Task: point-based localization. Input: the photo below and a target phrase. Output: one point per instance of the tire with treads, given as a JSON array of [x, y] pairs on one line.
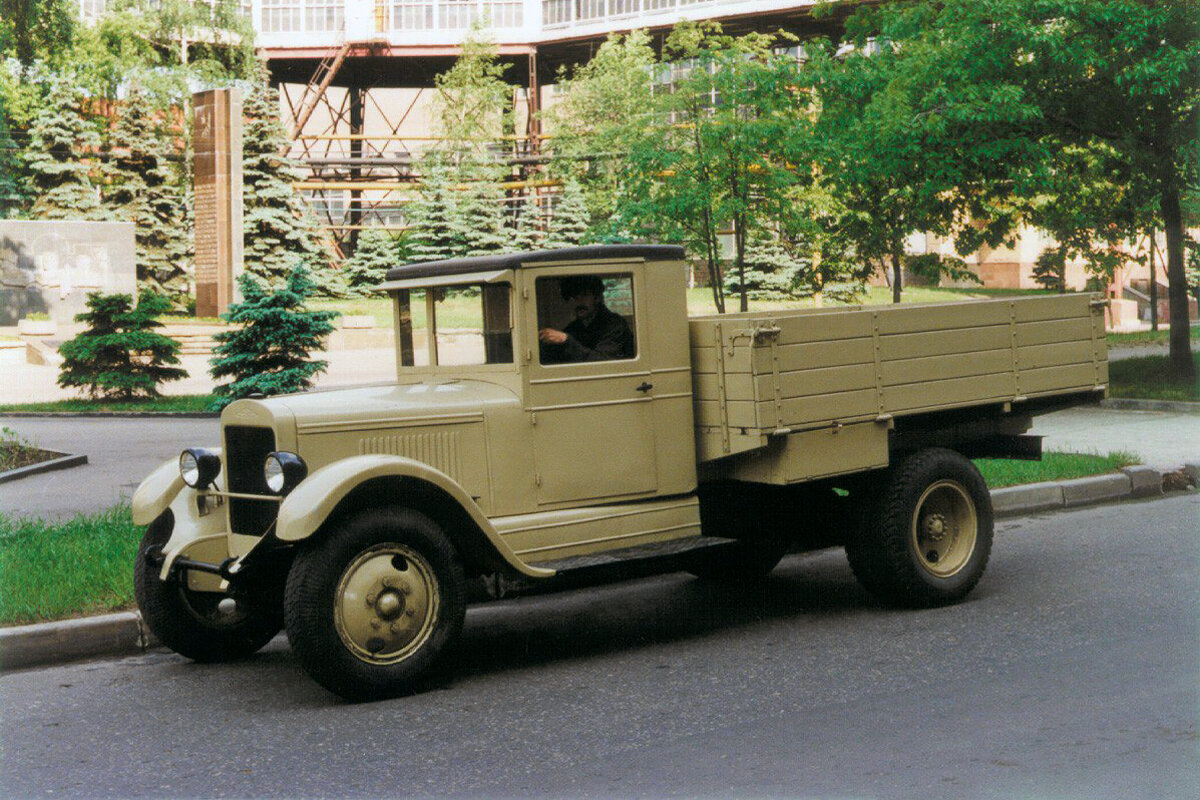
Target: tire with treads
[[192, 623], [925, 538], [371, 608]]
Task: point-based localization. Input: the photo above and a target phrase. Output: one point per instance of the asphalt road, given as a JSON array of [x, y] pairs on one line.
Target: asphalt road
[[1072, 671]]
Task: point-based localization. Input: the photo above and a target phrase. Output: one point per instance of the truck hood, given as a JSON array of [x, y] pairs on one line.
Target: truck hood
[[378, 406]]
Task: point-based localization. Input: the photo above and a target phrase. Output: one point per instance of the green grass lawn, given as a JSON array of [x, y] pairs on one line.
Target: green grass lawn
[[1148, 378], [1054, 466], [180, 403], [1147, 338], [75, 568]]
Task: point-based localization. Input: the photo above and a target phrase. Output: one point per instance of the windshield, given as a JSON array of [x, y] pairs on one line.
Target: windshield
[[469, 325]]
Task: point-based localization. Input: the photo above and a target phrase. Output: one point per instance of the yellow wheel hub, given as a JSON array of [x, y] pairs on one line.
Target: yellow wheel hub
[[944, 528], [386, 604]]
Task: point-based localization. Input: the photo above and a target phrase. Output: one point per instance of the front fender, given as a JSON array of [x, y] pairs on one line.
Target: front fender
[[310, 504], [155, 493]]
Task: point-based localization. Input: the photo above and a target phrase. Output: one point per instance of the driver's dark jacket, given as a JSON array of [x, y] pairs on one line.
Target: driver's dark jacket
[[608, 338]]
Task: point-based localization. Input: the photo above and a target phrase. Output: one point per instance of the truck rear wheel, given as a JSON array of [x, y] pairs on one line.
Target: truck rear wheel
[[371, 608], [201, 626], [926, 537]]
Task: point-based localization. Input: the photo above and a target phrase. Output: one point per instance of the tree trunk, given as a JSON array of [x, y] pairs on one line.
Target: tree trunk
[[1183, 368], [1153, 284], [714, 268], [897, 271], [739, 247]]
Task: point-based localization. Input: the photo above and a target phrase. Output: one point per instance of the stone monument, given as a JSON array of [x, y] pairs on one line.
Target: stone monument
[[217, 139], [50, 266]]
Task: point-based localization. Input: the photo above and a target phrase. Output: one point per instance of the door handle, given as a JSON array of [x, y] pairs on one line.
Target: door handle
[[645, 387]]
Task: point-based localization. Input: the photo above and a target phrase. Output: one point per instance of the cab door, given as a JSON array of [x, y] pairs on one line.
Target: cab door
[[592, 420]]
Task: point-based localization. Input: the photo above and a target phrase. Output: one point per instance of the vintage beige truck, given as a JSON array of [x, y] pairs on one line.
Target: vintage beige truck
[[557, 412]]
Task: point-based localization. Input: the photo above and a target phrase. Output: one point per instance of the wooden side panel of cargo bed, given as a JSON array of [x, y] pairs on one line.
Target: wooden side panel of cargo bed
[[767, 374]]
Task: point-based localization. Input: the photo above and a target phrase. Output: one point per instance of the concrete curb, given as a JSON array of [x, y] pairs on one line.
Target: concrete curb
[[120, 634], [124, 633], [64, 461], [114, 414], [1130, 404]]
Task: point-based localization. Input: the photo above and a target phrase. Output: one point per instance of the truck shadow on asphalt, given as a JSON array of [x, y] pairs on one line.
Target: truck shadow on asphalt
[[610, 618], [528, 631]]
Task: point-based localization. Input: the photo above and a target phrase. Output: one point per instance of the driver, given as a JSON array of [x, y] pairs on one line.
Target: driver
[[596, 334]]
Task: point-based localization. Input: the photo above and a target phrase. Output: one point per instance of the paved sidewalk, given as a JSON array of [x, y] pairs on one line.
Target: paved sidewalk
[[1164, 440], [36, 383]]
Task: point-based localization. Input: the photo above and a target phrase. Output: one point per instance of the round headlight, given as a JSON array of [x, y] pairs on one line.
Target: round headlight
[[199, 467], [282, 471]]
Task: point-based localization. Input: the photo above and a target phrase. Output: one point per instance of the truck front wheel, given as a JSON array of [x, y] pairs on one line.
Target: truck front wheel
[[371, 608], [927, 535], [202, 626]]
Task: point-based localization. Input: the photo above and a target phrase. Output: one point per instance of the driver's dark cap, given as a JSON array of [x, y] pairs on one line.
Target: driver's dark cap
[[575, 285]]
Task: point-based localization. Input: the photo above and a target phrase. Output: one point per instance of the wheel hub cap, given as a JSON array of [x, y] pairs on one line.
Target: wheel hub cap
[[935, 527], [387, 602], [944, 528]]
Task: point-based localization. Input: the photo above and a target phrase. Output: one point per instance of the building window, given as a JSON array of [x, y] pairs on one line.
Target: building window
[[557, 12], [282, 16], [412, 16], [324, 15]]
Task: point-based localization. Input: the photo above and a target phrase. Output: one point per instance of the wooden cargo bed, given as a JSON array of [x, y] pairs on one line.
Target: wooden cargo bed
[[766, 375]]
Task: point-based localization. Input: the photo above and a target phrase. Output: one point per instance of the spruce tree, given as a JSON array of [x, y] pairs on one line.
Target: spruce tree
[[120, 356], [11, 195], [568, 225], [771, 273], [432, 216], [58, 140], [142, 191], [279, 230], [377, 252], [527, 231], [269, 353], [480, 218]]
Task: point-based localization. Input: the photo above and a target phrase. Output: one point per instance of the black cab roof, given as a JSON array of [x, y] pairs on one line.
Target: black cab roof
[[463, 266]]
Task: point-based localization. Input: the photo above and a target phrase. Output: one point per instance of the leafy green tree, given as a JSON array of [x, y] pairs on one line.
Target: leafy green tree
[[994, 92], [723, 148], [167, 45], [141, 190], [270, 351], [278, 229], [460, 206], [605, 105], [60, 179], [569, 223], [32, 30], [472, 100], [376, 253], [120, 355]]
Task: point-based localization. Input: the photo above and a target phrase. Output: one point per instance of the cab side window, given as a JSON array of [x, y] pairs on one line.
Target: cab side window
[[586, 318]]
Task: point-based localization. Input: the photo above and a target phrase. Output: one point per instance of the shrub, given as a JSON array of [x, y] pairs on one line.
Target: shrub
[[120, 356], [269, 353]]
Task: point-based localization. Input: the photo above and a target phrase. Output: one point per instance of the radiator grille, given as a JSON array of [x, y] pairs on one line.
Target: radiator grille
[[439, 449], [246, 449]]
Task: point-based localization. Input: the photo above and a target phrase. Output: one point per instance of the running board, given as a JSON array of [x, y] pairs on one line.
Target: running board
[[655, 550], [629, 562]]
